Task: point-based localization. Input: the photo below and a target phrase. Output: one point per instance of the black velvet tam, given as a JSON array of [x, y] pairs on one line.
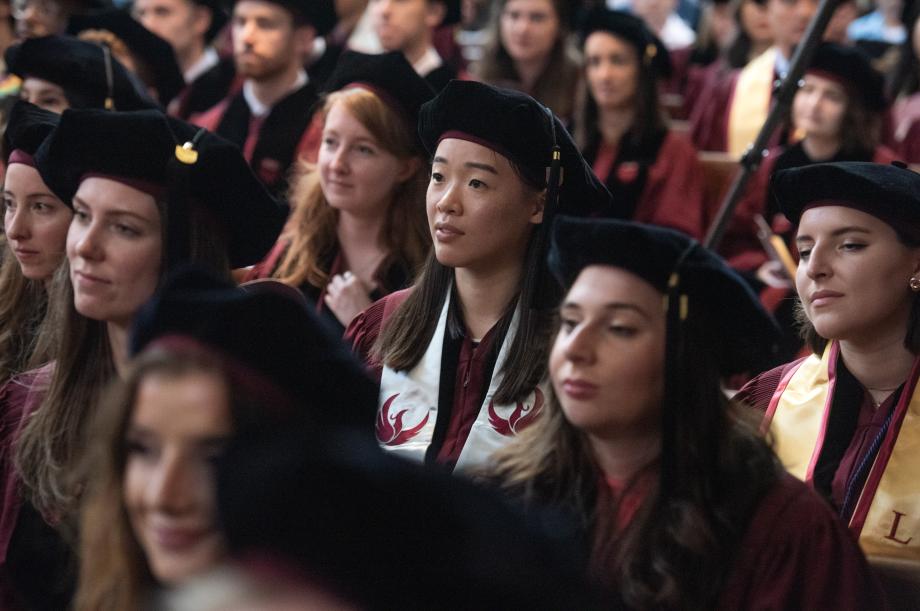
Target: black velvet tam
[[851, 67], [318, 13], [628, 27], [79, 68], [389, 75], [384, 533], [147, 47], [27, 127], [739, 328], [142, 146], [888, 192], [522, 130], [268, 328]]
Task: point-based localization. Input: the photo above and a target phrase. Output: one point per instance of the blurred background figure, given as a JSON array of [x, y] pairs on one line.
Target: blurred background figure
[[529, 50]]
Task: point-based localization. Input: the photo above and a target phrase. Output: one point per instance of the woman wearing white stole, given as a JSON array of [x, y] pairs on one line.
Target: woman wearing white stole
[[461, 355], [847, 418]]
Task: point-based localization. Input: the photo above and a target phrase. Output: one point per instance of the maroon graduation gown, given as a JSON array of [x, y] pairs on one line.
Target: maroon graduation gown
[[465, 365]]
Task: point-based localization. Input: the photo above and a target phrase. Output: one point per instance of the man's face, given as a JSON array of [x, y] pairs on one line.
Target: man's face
[[181, 23], [401, 24], [265, 41]]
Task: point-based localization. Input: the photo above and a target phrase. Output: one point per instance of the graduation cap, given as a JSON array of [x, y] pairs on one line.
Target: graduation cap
[[698, 282], [384, 533], [187, 162], [851, 68], [651, 51], [87, 72], [26, 128], [267, 328], [521, 129], [389, 75], [890, 193], [156, 54], [318, 13]]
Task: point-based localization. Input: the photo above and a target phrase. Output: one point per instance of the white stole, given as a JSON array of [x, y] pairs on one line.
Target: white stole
[[408, 406]]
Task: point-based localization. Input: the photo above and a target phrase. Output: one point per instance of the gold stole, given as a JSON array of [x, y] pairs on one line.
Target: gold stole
[[750, 102], [886, 518]]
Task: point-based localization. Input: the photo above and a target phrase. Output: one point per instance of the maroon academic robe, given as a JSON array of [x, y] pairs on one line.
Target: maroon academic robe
[[660, 184], [796, 554], [19, 397], [709, 119], [469, 364]]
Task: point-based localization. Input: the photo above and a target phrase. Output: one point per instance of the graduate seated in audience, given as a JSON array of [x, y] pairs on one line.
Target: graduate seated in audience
[[459, 355], [622, 129], [357, 230], [409, 26], [268, 117], [35, 224], [837, 113], [211, 362], [733, 108], [148, 193], [844, 419], [190, 27], [59, 73], [529, 50], [149, 58], [683, 503]]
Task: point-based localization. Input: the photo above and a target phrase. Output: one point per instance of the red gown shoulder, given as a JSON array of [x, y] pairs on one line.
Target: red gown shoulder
[[797, 554], [364, 329], [759, 391], [673, 195]]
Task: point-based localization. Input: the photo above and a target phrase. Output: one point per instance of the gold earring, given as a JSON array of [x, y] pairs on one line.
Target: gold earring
[[915, 284]]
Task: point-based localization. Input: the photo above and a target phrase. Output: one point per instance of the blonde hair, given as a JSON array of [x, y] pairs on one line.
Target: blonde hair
[[22, 312], [311, 230]]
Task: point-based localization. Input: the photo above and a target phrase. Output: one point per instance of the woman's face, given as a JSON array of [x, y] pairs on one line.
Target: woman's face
[[607, 363], [853, 274], [612, 71], [179, 427], [356, 173], [44, 94], [35, 221], [529, 29], [480, 213], [114, 246], [755, 23], [819, 106]]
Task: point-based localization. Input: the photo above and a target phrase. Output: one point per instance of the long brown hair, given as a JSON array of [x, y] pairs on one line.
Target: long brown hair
[[311, 229], [677, 551], [52, 438], [555, 87], [22, 310]]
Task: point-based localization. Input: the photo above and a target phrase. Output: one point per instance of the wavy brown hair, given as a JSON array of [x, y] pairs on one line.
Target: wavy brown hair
[[52, 438], [22, 311], [311, 230], [557, 84], [677, 551]]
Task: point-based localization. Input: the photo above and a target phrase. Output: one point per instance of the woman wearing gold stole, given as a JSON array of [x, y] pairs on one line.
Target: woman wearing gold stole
[[846, 420]]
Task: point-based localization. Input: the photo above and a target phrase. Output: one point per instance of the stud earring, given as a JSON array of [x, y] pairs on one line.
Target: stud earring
[[915, 284]]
